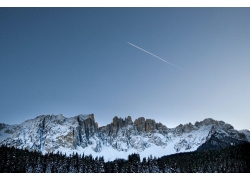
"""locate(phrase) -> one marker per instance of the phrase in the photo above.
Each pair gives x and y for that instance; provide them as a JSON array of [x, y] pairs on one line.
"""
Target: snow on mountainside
[[247, 133], [81, 134]]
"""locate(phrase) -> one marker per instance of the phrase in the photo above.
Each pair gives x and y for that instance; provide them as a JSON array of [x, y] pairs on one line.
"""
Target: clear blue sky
[[77, 61]]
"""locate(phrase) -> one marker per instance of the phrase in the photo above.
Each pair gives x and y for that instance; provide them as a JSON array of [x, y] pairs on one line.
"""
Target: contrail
[[153, 55]]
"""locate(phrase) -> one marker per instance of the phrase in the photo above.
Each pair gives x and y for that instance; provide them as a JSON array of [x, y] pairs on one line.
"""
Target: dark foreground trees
[[235, 159]]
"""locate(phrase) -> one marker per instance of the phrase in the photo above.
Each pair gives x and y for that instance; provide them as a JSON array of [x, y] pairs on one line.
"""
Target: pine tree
[[144, 166], [38, 166], [101, 165], [82, 165], [134, 161]]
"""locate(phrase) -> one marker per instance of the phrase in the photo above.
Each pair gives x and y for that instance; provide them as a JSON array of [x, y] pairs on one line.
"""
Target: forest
[[233, 159]]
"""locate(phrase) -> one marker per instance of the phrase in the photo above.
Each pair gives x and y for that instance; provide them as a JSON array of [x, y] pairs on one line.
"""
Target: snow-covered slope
[[247, 133], [81, 134]]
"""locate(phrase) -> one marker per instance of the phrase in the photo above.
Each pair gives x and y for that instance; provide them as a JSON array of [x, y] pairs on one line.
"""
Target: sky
[[75, 61]]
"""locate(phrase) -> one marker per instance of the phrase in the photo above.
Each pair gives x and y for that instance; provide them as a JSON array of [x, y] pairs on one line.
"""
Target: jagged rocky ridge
[[81, 134]]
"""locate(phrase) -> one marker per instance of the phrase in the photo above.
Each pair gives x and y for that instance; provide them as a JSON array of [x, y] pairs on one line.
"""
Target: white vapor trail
[[153, 55]]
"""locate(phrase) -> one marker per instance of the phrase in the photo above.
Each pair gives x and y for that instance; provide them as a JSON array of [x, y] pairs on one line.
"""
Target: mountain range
[[120, 138]]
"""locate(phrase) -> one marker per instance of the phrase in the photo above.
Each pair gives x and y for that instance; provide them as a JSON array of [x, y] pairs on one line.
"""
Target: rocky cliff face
[[124, 134], [149, 125], [52, 133], [218, 141], [49, 132]]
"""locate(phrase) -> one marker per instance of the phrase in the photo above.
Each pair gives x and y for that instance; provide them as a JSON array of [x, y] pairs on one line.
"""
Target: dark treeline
[[235, 159]]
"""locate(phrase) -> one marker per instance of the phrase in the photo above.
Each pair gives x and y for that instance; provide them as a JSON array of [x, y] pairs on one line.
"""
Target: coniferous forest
[[234, 159]]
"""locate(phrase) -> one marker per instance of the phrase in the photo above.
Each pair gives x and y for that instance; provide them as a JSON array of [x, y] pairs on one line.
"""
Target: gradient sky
[[77, 61]]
